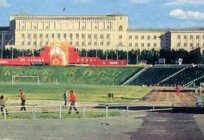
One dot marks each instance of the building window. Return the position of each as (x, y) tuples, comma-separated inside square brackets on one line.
[(185, 44), (28, 35), (197, 45), (95, 43), (53, 35), (41, 35), (40, 44), (101, 36), (185, 37), (89, 36), (46, 35), (58, 35), (108, 36), (191, 37), (35, 43), (34, 36), (130, 44), (22, 43), (136, 44), (120, 36), (197, 37), (83, 43), (136, 37), (101, 43), (77, 43), (23, 35), (179, 44), (191, 44), (83, 36), (142, 37), (155, 37), (120, 28), (89, 43), (120, 44), (77, 36), (95, 36), (130, 36), (178, 37), (142, 44), (148, 45), (155, 44), (70, 35), (148, 37), (108, 43), (28, 43), (65, 35)]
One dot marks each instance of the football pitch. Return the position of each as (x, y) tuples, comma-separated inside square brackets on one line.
[(84, 93)]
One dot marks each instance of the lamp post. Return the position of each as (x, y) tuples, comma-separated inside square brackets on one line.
[(127, 55), (2, 44)]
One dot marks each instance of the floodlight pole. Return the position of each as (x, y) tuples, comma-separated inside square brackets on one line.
[(2, 39), (127, 55), (12, 46)]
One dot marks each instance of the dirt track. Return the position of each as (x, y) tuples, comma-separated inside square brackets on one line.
[(166, 97)]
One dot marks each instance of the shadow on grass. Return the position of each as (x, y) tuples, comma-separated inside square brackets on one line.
[(124, 98)]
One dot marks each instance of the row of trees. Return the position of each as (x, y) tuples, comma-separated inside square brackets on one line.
[(148, 56), (133, 56)]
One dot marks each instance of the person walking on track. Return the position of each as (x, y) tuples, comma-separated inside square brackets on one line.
[(23, 100), (177, 90), (65, 96), (72, 100), (2, 105)]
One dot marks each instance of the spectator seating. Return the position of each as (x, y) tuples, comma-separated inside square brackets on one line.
[(153, 75)]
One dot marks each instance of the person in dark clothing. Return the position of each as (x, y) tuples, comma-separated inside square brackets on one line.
[(23, 100), (2, 105), (65, 96), (72, 99)]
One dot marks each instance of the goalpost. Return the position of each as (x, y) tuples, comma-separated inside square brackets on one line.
[(25, 80)]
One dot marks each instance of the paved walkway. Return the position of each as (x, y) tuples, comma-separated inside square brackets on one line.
[(150, 126), (168, 126), (73, 129)]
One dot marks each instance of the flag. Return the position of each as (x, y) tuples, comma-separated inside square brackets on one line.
[(64, 9)]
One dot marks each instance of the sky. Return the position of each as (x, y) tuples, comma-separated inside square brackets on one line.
[(141, 13)]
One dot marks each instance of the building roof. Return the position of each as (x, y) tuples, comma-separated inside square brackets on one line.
[(25, 15), (146, 30), (165, 29)]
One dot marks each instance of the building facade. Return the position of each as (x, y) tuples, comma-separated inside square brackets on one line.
[(187, 40), (96, 32)]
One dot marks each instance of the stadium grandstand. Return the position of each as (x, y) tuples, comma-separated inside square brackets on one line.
[(170, 75)]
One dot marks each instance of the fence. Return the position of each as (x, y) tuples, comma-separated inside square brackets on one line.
[(88, 111)]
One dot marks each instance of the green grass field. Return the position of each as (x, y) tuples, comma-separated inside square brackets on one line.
[(69, 75), (84, 93), (90, 84)]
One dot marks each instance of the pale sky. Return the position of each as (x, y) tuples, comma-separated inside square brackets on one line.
[(141, 13)]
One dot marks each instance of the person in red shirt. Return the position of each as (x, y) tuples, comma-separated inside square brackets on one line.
[(177, 90), (72, 99)]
